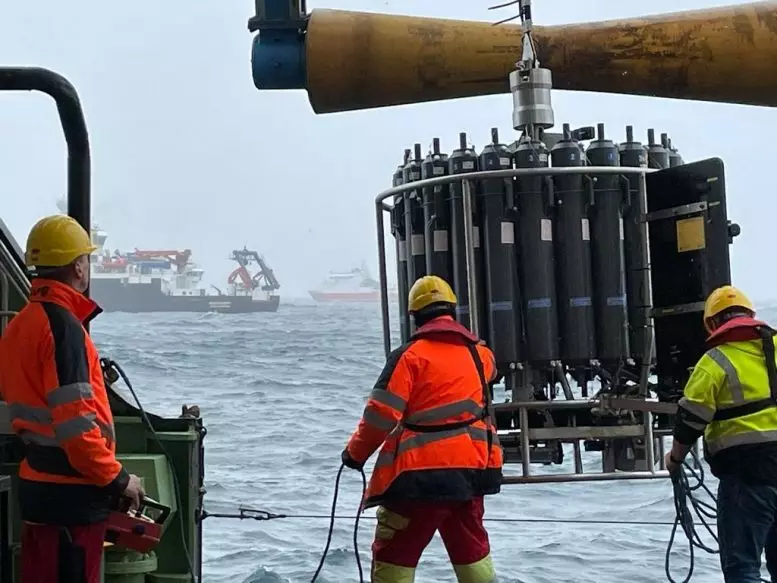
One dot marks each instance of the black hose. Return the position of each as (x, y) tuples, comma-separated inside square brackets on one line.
[(686, 499), (332, 526)]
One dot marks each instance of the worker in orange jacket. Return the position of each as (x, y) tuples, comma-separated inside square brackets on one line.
[(51, 379), (430, 409)]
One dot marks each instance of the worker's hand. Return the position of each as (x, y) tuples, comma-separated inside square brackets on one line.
[(349, 462), (134, 491), (671, 466)]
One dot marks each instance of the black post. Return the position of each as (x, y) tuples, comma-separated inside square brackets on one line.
[(74, 126)]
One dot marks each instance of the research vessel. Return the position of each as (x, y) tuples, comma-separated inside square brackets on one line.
[(557, 291), (168, 280)]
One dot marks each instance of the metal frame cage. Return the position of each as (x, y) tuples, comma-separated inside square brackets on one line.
[(626, 426)]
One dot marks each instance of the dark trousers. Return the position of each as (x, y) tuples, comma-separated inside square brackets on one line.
[(747, 526), (57, 554)]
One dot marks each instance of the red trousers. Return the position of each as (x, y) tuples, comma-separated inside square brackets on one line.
[(406, 528), (58, 554)]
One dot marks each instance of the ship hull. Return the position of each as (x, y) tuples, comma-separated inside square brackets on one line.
[(114, 296)]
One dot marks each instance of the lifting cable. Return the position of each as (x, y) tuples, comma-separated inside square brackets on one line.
[(246, 513), (686, 493), (355, 526), (254, 514), (686, 500)]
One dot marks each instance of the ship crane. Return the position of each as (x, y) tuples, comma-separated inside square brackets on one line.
[(264, 279), (178, 258)]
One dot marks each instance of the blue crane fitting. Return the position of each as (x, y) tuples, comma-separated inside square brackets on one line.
[(278, 59)]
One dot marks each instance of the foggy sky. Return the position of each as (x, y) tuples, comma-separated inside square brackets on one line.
[(187, 153)]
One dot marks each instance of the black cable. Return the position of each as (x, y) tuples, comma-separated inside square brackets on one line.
[(686, 493), (332, 517), (176, 486), (356, 528)]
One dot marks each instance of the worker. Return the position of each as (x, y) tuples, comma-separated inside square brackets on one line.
[(731, 399), (51, 378), (430, 409)]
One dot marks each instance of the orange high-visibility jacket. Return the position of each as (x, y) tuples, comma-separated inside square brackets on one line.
[(51, 379), (430, 407)]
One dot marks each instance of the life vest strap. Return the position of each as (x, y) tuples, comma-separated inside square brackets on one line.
[(744, 410), (444, 426)]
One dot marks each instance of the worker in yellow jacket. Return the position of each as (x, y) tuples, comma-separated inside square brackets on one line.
[(731, 399)]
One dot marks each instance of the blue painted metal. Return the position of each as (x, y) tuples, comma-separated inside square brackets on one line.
[(278, 53), (278, 59)]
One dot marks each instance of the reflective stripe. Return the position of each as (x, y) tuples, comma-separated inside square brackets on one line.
[(389, 398), (698, 409), (69, 394), (422, 439), (732, 378), (31, 437), (75, 427), (43, 417), (388, 573), (481, 571), (386, 458), (377, 420), (28, 413), (106, 430), (446, 411), (695, 425), (748, 438)]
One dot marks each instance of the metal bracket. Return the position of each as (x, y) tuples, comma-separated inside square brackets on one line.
[(278, 14), (678, 211), (678, 310), (244, 514)]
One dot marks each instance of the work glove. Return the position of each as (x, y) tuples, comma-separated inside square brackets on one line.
[(349, 462)]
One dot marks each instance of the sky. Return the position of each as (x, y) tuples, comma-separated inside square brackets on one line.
[(186, 153)]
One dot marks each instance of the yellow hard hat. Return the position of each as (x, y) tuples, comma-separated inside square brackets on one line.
[(723, 298), (429, 290), (57, 241)]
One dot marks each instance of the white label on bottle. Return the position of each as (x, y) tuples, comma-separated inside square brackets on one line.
[(504, 162), (508, 233), (468, 165), (438, 171), (417, 244), (543, 157), (586, 230), (546, 230), (441, 241)]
